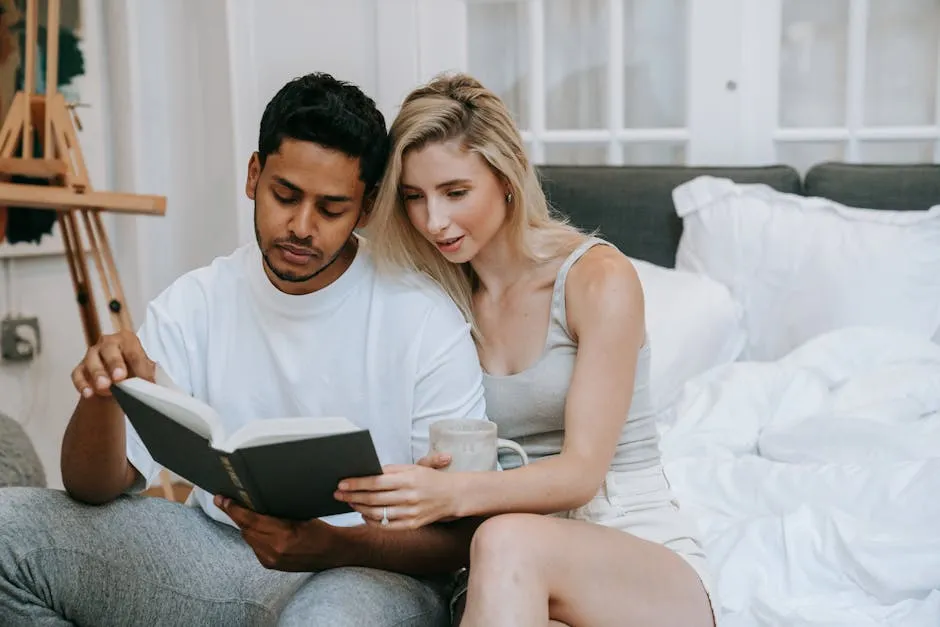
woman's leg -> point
(527, 569)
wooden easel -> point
(67, 189)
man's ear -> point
(368, 204)
(254, 174)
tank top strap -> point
(559, 317)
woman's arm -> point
(605, 308)
(604, 301)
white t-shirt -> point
(390, 354)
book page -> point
(284, 430)
(178, 406)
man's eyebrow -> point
(283, 181)
(337, 198)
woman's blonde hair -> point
(458, 107)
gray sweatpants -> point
(149, 562)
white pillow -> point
(692, 324)
(803, 266)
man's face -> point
(308, 200)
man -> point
(297, 324)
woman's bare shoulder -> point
(603, 284)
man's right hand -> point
(113, 358)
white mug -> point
(472, 444)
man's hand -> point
(283, 544)
(113, 358)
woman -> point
(558, 319)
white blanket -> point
(816, 482)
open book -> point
(283, 467)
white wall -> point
(160, 122)
(38, 393)
(177, 97)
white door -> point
(589, 81)
(844, 80)
(641, 82)
(721, 82)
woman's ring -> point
(384, 521)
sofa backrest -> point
(631, 206)
(897, 187)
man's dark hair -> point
(332, 113)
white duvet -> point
(816, 482)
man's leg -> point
(357, 597)
(136, 561)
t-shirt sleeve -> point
(449, 381)
(164, 340)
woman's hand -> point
(437, 461)
(405, 496)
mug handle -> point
(501, 443)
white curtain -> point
(171, 134)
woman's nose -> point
(438, 219)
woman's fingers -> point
(377, 499)
(437, 461)
(397, 518)
(393, 479)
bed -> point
(795, 331)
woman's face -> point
(453, 198)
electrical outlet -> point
(19, 338)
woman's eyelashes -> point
(453, 194)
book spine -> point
(241, 480)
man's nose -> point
(304, 223)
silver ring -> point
(384, 521)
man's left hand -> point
(285, 545)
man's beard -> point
(287, 276)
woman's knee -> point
(505, 538)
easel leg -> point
(124, 312)
(29, 77)
(10, 133)
(67, 144)
(78, 268)
(116, 321)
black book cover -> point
(292, 480)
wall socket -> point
(19, 338)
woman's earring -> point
(509, 198)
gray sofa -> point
(19, 463)
(632, 206)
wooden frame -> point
(63, 183)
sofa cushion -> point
(632, 206)
(19, 463)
